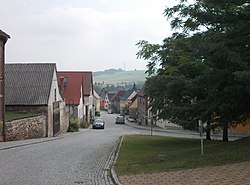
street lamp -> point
(201, 134)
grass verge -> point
(147, 154)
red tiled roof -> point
(117, 96)
(72, 91)
(87, 83)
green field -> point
(146, 154)
(121, 76)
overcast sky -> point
(82, 34)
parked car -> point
(120, 119)
(97, 113)
(110, 111)
(98, 123)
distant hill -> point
(115, 76)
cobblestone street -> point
(73, 158)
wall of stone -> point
(27, 128)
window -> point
(55, 94)
(65, 81)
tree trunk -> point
(225, 132)
(208, 131)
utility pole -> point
(201, 134)
(3, 39)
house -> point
(142, 117)
(115, 101)
(77, 90)
(106, 100)
(33, 87)
(88, 92)
(97, 102)
(110, 96)
(3, 39)
(133, 108)
(126, 100)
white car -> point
(98, 123)
(120, 119)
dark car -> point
(98, 123)
(120, 119)
(110, 111)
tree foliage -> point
(203, 70)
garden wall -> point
(27, 128)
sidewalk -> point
(173, 129)
(19, 143)
(219, 175)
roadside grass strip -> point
(148, 154)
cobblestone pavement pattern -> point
(234, 174)
(83, 158)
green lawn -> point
(14, 115)
(146, 154)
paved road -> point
(73, 158)
(76, 158)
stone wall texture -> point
(27, 128)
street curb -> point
(114, 176)
(31, 143)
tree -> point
(203, 70)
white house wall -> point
(54, 90)
(81, 107)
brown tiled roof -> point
(118, 95)
(87, 82)
(28, 84)
(76, 79)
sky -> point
(82, 35)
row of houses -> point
(135, 103)
(132, 102)
(39, 88)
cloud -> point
(85, 38)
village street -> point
(84, 157)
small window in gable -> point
(65, 80)
(55, 94)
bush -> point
(84, 124)
(73, 125)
